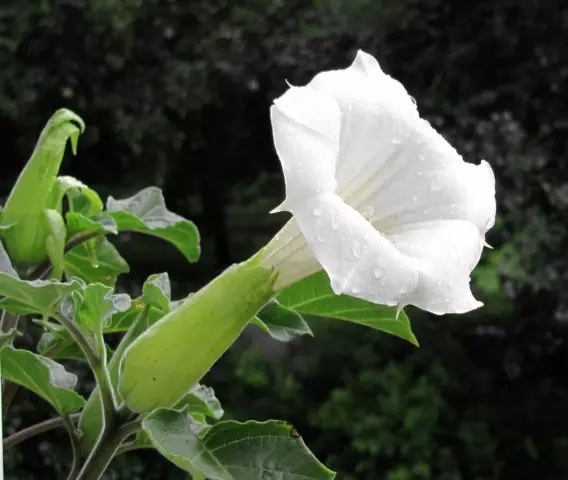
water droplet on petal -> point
(396, 141)
(316, 212)
(414, 197)
(421, 157)
(378, 272)
(356, 250)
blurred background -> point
(176, 94)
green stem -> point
(91, 423)
(98, 366)
(36, 429)
(105, 450)
(9, 389)
(75, 446)
(44, 269)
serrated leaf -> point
(201, 401)
(92, 307)
(314, 296)
(43, 376)
(21, 297)
(146, 212)
(78, 223)
(157, 291)
(281, 323)
(97, 260)
(55, 241)
(232, 450)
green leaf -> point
(95, 261)
(60, 346)
(201, 401)
(55, 241)
(81, 198)
(92, 308)
(121, 321)
(146, 212)
(21, 297)
(78, 223)
(156, 294)
(280, 322)
(314, 296)
(6, 263)
(56, 342)
(232, 450)
(43, 376)
(157, 291)
(6, 338)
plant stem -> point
(44, 269)
(75, 446)
(36, 429)
(105, 450)
(9, 389)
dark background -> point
(176, 93)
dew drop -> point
(421, 157)
(414, 197)
(396, 141)
(316, 212)
(377, 272)
(355, 289)
(356, 250)
(334, 224)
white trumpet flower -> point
(380, 200)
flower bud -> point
(170, 357)
(31, 195)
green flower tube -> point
(170, 357)
(32, 192)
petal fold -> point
(305, 125)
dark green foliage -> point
(176, 93)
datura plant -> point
(385, 214)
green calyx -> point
(32, 192)
(176, 352)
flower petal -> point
(305, 125)
(375, 110)
(428, 181)
(392, 162)
(358, 260)
(446, 251)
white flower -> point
(380, 200)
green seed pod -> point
(31, 194)
(169, 358)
